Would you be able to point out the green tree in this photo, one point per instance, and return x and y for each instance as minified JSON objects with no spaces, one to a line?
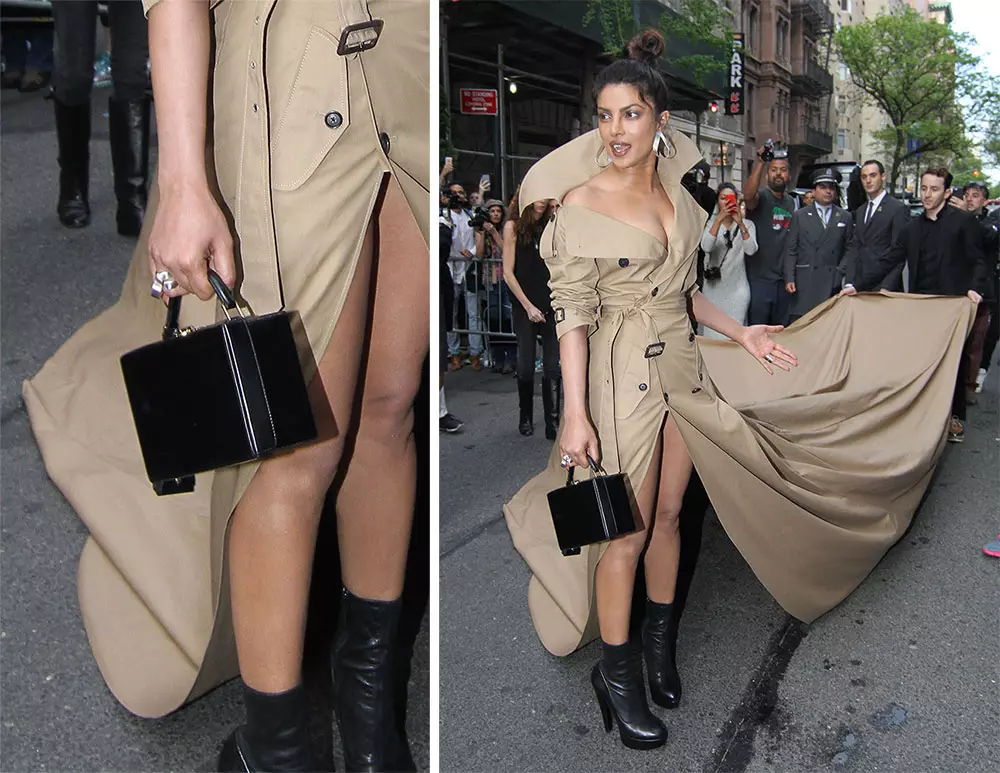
{"x":703,"y":23}
{"x":925,"y":78}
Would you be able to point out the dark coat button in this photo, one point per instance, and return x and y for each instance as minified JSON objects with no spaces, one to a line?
{"x":642,"y":387}
{"x":655,"y":291}
{"x":333,"y":119}
{"x":691,"y":338}
{"x":383,"y":138}
{"x":696,"y":390}
{"x":623,"y":262}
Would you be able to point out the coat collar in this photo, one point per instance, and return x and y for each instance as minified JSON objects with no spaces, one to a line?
{"x":571,"y":165}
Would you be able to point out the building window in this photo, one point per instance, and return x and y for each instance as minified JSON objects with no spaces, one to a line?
{"x":781,"y":40}
{"x":845,"y":5}
{"x":841,"y":139}
{"x":843,"y":71}
{"x":753,"y":29}
{"x":750,"y":105}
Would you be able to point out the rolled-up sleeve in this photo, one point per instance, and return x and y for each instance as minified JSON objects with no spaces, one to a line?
{"x":573,"y":282}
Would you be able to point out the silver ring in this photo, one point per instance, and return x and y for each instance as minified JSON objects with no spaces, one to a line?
{"x":767,"y":357}
{"x":157,"y":289}
{"x":169,"y":284}
{"x":162,"y":276}
{"x":565,"y":461}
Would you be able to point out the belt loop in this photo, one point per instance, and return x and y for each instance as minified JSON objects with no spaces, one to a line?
{"x":361,"y":32}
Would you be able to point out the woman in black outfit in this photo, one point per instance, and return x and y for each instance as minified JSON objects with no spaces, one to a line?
{"x":128,"y":109}
{"x":528,"y":279}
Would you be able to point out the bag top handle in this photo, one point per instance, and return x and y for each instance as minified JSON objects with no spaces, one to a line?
{"x":225,"y":295}
{"x":597,"y":469}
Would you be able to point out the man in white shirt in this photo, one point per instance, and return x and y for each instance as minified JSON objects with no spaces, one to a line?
{"x":877,"y":226}
{"x":463,"y":249}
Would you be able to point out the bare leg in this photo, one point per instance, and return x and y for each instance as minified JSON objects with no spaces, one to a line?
{"x":616,"y":570}
{"x":663,"y":552}
{"x":272,"y":537}
{"x":376,"y":500}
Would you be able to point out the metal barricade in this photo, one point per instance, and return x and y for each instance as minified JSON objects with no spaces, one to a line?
{"x":491,"y":318}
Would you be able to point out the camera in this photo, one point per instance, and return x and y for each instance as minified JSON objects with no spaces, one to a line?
{"x":479,"y":218}
{"x":770,"y":152}
{"x":713,"y":273}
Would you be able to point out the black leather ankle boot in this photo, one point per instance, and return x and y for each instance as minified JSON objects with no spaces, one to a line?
{"x":128,"y":125}
{"x":275,"y":738}
{"x":617,"y":680}
{"x":526,"y":402}
{"x":363,"y":662}
{"x":551,"y":395}
{"x":660,"y":649}
{"x":73,"y":136}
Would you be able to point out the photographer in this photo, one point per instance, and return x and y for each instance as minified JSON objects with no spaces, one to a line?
{"x":770,"y":210}
{"x":489,"y":249}
{"x":726,"y":241}
{"x":462,"y":252}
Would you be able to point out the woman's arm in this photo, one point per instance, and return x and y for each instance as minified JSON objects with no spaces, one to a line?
{"x":509,"y":258}
{"x":756,"y":339}
{"x":480,"y":238}
{"x":578,"y":439}
{"x":710,"y":237}
{"x":749,"y":238}
{"x":189,"y":231}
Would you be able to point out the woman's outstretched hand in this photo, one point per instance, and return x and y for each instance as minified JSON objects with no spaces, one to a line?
{"x":757,"y":340}
{"x":189,"y":235}
{"x":578,"y":440}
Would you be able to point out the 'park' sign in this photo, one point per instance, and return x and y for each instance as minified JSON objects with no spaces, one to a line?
{"x":734,"y":104}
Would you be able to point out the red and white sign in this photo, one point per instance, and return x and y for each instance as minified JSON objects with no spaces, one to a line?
{"x":479,"y":101}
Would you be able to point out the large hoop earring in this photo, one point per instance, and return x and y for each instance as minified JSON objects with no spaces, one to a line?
{"x":660,"y":144}
{"x":597,"y":159}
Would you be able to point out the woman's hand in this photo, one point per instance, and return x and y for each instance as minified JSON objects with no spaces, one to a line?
{"x":534,"y":314}
{"x":578,"y":440}
{"x":975,"y":297}
{"x":757,"y":340}
{"x":189,"y":235}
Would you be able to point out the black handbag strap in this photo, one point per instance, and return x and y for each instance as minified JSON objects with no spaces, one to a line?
{"x":594,"y":466}
{"x":171,"y":328}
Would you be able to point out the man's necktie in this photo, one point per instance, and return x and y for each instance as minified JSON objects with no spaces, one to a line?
{"x":868,"y":214}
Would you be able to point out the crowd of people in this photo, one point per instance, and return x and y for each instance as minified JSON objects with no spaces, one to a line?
{"x":767,"y":256}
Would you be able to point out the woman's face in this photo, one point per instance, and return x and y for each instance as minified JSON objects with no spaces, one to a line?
{"x":541,"y":207}
{"x":627,"y":124}
{"x":496,"y":214}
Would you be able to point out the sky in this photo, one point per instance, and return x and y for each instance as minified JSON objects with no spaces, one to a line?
{"x":977,"y":18}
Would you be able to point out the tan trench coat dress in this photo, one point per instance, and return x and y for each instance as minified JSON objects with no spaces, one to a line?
{"x":302,"y":140}
{"x":814,"y":473}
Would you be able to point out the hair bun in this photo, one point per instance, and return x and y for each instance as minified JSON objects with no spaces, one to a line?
{"x":646,"y":47}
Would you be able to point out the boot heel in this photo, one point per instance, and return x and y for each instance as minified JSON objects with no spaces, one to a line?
{"x":605,"y":710}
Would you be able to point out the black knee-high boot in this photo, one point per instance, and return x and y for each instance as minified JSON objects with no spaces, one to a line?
{"x":660,"y":648}
{"x":73,"y":136}
{"x":275,"y":737}
{"x":128,"y":125}
{"x":551,"y":395}
{"x":364,"y":653}
{"x":526,"y":402}
{"x":617,"y":681}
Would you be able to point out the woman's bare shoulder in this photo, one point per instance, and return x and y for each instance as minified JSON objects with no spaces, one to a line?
{"x":581,"y":196}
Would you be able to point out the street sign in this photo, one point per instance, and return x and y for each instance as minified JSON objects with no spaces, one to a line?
{"x":478,"y":101}
{"x":734,"y":102}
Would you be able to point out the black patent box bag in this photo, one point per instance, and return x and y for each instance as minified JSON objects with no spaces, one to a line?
{"x":590,"y":511}
{"x":216,"y":396}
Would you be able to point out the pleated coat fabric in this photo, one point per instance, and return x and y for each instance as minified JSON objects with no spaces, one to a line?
{"x":302,"y":139}
{"x":814,"y":474}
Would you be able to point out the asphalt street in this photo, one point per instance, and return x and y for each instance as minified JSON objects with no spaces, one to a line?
{"x":902,"y":676}
{"x":56,"y":714}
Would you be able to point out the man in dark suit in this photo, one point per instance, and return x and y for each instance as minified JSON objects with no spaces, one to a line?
{"x":816,"y":246}
{"x":943,"y":251}
{"x":877,"y":225}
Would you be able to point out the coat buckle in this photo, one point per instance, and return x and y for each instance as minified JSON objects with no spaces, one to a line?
{"x":362,"y":42}
{"x":655,"y":350}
